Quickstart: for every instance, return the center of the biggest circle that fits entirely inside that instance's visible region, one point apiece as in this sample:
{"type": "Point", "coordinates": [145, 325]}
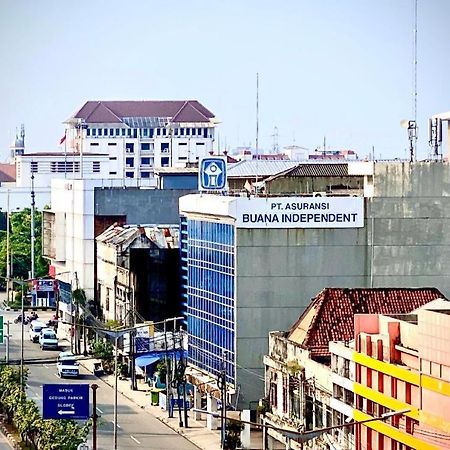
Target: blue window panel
{"type": "Point", "coordinates": [88, 132]}
{"type": "Point", "coordinates": [210, 293]}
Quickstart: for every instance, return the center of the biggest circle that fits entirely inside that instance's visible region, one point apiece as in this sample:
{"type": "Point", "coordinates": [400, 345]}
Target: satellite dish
{"type": "Point", "coordinates": [404, 123]}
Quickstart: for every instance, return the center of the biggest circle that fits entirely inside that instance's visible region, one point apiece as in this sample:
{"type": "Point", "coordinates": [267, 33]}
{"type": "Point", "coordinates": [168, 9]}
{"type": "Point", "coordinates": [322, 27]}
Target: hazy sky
{"type": "Point", "coordinates": [336, 68]}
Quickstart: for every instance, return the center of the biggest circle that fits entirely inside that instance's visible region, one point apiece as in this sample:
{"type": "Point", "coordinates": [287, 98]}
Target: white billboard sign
{"type": "Point", "coordinates": [300, 212]}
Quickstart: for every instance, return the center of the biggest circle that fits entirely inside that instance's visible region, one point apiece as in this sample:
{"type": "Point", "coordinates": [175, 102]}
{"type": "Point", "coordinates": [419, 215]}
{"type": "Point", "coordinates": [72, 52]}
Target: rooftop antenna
{"type": "Point", "coordinates": [257, 129]}
{"type": "Point", "coordinates": [411, 125]}
{"type": "Point", "coordinates": [275, 147]}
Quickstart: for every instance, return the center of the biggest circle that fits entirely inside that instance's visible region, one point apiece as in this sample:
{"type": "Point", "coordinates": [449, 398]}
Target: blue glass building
{"type": "Point", "coordinates": [208, 271]}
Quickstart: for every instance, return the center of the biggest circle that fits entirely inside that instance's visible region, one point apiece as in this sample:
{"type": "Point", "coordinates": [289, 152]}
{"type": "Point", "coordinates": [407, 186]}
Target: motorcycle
{"type": "Point", "coordinates": [33, 316]}
{"type": "Point", "coordinates": [19, 320]}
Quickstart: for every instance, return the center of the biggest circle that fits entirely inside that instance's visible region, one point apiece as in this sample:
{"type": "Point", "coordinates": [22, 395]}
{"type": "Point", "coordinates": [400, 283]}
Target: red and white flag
{"type": "Point", "coordinates": [61, 142]}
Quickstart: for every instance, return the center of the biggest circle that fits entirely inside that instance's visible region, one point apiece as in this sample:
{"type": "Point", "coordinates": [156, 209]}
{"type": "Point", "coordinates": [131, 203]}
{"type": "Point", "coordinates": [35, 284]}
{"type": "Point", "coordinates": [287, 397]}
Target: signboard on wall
{"type": "Point", "coordinates": [212, 174]}
{"type": "Point", "coordinates": [45, 285]}
{"type": "Point", "coordinates": [300, 212]}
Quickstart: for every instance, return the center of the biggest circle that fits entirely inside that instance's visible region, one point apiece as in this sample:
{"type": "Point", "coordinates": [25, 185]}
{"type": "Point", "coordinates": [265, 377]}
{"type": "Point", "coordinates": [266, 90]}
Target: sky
{"type": "Point", "coordinates": [339, 69]}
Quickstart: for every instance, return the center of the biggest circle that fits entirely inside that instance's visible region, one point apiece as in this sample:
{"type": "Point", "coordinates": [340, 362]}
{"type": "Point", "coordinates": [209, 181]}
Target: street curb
{"type": "Point", "coordinates": [11, 438]}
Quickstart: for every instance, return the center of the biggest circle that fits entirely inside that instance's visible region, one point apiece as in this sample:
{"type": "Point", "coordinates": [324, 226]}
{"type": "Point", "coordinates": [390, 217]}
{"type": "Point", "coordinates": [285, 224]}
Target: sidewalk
{"type": "Point", "coordinates": [197, 432]}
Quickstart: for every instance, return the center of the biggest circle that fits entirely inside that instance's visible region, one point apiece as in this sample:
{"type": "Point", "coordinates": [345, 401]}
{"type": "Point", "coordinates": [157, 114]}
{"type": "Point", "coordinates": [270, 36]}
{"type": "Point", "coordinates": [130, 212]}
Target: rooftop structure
{"type": "Point", "coordinates": [330, 315]}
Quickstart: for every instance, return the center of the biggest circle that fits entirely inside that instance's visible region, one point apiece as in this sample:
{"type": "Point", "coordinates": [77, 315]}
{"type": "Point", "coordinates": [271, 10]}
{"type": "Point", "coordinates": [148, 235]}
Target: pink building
{"type": "Point", "coordinates": [402, 362]}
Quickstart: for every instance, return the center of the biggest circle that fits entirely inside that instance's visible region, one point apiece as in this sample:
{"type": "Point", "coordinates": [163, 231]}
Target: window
{"type": "Point", "coordinates": [117, 131]}
{"type": "Point", "coordinates": [199, 143]}
{"type": "Point", "coordinates": [165, 147]}
{"type": "Point", "coordinates": [145, 146]}
{"type": "Point", "coordinates": [182, 158]}
{"type": "Point", "coordinates": [181, 131]}
{"type": "Point", "coordinates": [124, 132]}
{"type": "Point", "coordinates": [145, 132]}
{"type": "Point", "coordinates": [182, 143]}
{"type": "Point", "coordinates": [165, 162]}
{"type": "Point", "coordinates": [129, 132]}
{"type": "Point", "coordinates": [129, 174]}
{"type": "Point", "coordinates": [113, 173]}
{"type": "Point", "coordinates": [199, 131]}
{"type": "Point", "coordinates": [96, 167]}
{"type": "Point", "coordinates": [151, 131]}
{"type": "Point", "coordinates": [111, 131]}
{"type": "Point", "coordinates": [164, 132]}
{"type": "Point", "coordinates": [129, 162]}
{"type": "Point", "coordinates": [147, 161]}
{"type": "Point", "coordinates": [205, 132]}
{"type": "Point", "coordinates": [105, 132]}
{"type": "Point", "coordinates": [61, 166]}
{"type": "Point", "coordinates": [135, 133]}
{"type": "Point", "coordinates": [176, 132]}
{"type": "Point", "coordinates": [113, 158]}
{"type": "Point", "coordinates": [94, 131]}
{"type": "Point", "coordinates": [158, 132]}
{"type": "Point", "coordinates": [34, 167]}
{"type": "Point", "coordinates": [100, 132]}
{"type": "Point", "coordinates": [193, 131]}
{"type": "Point", "coordinates": [188, 131]}
{"type": "Point", "coordinates": [94, 144]}
{"type": "Point", "coordinates": [88, 132]}
{"type": "Point", "coordinates": [145, 174]}
{"type": "Point", "coordinates": [129, 147]}
{"type": "Point", "coordinates": [112, 143]}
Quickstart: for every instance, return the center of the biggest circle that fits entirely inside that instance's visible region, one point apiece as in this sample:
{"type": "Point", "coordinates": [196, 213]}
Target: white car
{"type": "Point", "coordinates": [35, 330]}
{"type": "Point", "coordinates": [48, 339]}
{"type": "Point", "coordinates": [67, 365]}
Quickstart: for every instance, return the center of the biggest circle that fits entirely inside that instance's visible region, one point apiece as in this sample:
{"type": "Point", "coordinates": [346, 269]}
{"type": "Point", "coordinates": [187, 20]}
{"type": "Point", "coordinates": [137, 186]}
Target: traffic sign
{"type": "Point", "coordinates": [65, 401]}
{"type": "Point", "coordinates": [212, 174]}
{"type": "Point", "coordinates": [83, 446]}
{"type": "Point", "coordinates": [1, 330]}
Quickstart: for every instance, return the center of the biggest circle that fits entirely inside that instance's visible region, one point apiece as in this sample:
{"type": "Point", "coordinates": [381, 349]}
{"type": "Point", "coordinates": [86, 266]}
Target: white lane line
{"type": "Point", "coordinates": [99, 410]}
{"type": "Point", "coordinates": [56, 376]}
{"type": "Point", "coordinates": [135, 440]}
{"type": "Point", "coordinates": [118, 426]}
{"type": "Point", "coordinates": [46, 366]}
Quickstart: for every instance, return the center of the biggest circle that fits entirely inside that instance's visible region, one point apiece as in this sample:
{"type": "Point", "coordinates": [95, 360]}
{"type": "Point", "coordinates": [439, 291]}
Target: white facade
{"type": "Point", "coordinates": [137, 152]}
{"type": "Point", "coordinates": [48, 166]}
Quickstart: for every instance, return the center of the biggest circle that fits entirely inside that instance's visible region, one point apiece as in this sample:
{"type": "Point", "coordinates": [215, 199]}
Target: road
{"type": "Point", "coordinates": [137, 429]}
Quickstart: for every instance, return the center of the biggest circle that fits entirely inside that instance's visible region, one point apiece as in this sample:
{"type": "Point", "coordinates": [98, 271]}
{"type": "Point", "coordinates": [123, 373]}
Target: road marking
{"type": "Point", "coordinates": [99, 410]}
{"type": "Point", "coordinates": [118, 426]}
{"type": "Point", "coordinates": [46, 366]}
{"type": "Point", "coordinates": [56, 376]}
{"type": "Point", "coordinates": [135, 440]}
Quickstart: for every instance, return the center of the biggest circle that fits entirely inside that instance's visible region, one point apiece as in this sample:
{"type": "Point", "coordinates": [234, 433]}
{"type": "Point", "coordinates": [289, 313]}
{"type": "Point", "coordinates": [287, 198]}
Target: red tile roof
{"type": "Point", "coordinates": [330, 315]}
{"type": "Point", "coordinates": [115, 111]}
{"type": "Point", "coordinates": [7, 172]}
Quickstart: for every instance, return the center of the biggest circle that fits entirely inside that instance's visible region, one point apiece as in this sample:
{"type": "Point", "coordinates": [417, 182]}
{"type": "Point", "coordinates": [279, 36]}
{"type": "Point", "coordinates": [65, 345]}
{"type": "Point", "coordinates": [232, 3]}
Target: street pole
{"type": "Point", "coordinates": [22, 343]}
{"type": "Point", "coordinates": [8, 263]}
{"type": "Point", "coordinates": [115, 393]}
{"type": "Point", "coordinates": [7, 342]}
{"type": "Point", "coordinates": [94, 388]}
{"type": "Point", "coordinates": [32, 223]}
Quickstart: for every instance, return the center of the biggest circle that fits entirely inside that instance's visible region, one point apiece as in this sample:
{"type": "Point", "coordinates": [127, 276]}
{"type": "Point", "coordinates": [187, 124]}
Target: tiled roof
{"type": "Point", "coordinates": [7, 172]}
{"type": "Point", "coordinates": [330, 315]}
{"type": "Point", "coordinates": [116, 111]}
{"type": "Point", "coordinates": [319, 170]}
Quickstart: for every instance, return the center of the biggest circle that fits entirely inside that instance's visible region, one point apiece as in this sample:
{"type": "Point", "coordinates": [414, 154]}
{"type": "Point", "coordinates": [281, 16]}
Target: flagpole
{"type": "Point", "coordinates": [65, 153]}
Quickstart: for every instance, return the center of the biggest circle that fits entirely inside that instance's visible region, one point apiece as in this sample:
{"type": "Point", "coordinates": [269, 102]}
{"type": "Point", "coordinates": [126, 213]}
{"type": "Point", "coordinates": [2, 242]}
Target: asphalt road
{"type": "Point", "coordinates": [136, 428]}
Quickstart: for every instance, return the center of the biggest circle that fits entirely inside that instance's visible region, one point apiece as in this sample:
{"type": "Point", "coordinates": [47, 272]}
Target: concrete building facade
{"type": "Point", "coordinates": [403, 242]}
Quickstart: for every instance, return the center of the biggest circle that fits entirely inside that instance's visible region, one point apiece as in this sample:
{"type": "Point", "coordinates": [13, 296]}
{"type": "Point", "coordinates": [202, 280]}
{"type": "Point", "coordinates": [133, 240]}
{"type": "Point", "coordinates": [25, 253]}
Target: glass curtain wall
{"type": "Point", "coordinates": [208, 270]}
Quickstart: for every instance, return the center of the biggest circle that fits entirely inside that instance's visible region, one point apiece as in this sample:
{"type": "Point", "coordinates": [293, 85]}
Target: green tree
{"type": "Point", "coordinates": [20, 245]}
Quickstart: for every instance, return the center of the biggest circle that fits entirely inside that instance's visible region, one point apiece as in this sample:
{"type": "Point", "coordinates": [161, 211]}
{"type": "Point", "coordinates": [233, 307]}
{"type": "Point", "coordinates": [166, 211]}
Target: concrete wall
{"type": "Point", "coordinates": [141, 206]}
{"type": "Point", "coordinates": [279, 270]}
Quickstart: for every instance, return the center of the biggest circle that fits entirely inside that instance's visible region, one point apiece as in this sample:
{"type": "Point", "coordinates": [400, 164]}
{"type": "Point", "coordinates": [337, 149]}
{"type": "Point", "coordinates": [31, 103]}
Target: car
{"type": "Point", "coordinates": [35, 330]}
{"type": "Point", "coordinates": [48, 339]}
{"type": "Point", "coordinates": [67, 365]}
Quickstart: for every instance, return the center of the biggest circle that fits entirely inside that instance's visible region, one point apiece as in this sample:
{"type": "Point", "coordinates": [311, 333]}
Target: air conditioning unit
{"type": "Point", "coordinates": [319, 194]}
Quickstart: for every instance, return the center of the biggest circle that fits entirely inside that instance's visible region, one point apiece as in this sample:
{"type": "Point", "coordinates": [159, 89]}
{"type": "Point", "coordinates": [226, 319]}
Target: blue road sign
{"type": "Point", "coordinates": [212, 174]}
{"type": "Point", "coordinates": [65, 401]}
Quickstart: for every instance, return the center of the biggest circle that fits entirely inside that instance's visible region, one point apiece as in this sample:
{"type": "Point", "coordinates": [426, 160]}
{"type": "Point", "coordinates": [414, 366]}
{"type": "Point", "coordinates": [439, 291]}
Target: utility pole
{"type": "Point", "coordinates": [32, 220]}
{"type": "Point", "coordinates": [7, 342]}
{"type": "Point", "coordinates": [222, 385]}
{"type": "Point", "coordinates": [115, 390]}
{"type": "Point", "coordinates": [94, 388]}
{"type": "Point", "coordinates": [22, 326]}
{"type": "Point", "coordinates": [8, 259]}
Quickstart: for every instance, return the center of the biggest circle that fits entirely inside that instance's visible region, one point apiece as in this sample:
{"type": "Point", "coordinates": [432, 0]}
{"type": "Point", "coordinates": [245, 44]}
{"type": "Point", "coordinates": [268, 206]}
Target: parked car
{"type": "Point", "coordinates": [48, 339]}
{"type": "Point", "coordinates": [35, 330]}
{"type": "Point", "coordinates": [67, 365]}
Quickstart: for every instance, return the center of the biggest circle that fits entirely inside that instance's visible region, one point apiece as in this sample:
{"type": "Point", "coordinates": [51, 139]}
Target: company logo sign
{"type": "Point", "coordinates": [212, 174]}
{"type": "Point", "coordinates": [300, 212]}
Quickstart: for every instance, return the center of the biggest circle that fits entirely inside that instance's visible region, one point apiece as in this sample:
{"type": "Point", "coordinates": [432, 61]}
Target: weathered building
{"type": "Point", "coordinates": [137, 273]}
{"type": "Point", "coordinates": [307, 387]}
